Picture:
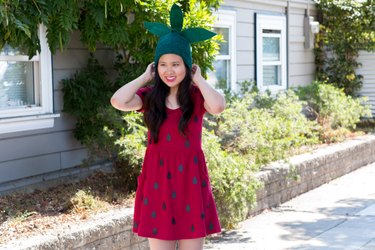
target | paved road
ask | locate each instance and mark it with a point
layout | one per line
(337, 215)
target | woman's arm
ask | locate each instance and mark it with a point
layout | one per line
(214, 102)
(125, 98)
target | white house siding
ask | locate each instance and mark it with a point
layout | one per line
(36, 152)
(301, 60)
(367, 59)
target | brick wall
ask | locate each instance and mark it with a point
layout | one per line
(286, 180)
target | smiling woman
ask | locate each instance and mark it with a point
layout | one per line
(173, 203)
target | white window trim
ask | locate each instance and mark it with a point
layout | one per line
(40, 116)
(227, 19)
(274, 22)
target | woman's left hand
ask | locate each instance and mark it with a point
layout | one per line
(196, 74)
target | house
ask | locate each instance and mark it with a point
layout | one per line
(36, 139)
(266, 41)
(367, 70)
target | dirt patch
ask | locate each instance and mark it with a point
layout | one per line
(24, 215)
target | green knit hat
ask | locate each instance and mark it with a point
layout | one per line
(174, 40)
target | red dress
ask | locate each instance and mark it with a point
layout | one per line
(174, 198)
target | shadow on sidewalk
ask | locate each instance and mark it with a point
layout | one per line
(324, 233)
(228, 237)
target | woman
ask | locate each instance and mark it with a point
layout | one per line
(174, 201)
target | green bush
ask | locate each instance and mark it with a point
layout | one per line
(130, 143)
(254, 130)
(85, 94)
(233, 185)
(108, 133)
(263, 129)
(337, 113)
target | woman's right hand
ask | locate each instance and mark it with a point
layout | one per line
(149, 73)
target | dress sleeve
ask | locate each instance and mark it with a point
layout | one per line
(199, 100)
(142, 92)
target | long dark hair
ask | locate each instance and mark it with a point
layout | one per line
(155, 108)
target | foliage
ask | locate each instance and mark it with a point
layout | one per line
(347, 26)
(243, 87)
(85, 94)
(108, 133)
(114, 23)
(263, 129)
(128, 138)
(337, 113)
(84, 200)
(232, 182)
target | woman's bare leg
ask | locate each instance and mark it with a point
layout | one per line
(156, 244)
(191, 244)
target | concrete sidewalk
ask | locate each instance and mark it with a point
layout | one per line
(337, 215)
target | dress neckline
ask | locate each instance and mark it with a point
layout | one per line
(173, 109)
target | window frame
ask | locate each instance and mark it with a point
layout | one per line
(270, 22)
(41, 115)
(227, 19)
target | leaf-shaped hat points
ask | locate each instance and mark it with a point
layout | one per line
(174, 39)
(158, 29)
(176, 18)
(197, 34)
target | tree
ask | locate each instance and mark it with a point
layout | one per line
(347, 26)
(115, 23)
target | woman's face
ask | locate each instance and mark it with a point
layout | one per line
(171, 69)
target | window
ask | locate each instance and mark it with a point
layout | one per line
(270, 52)
(224, 75)
(26, 100)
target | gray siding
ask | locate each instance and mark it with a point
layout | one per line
(367, 59)
(36, 152)
(301, 60)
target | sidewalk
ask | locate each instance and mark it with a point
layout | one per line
(337, 215)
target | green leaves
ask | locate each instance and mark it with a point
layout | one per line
(25, 28)
(336, 112)
(232, 180)
(347, 27)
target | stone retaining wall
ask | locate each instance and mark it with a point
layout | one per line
(286, 180)
(282, 182)
(107, 231)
